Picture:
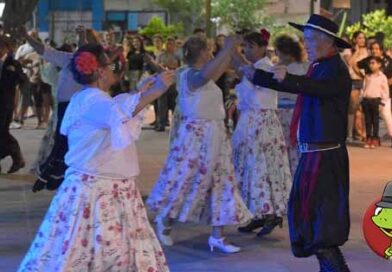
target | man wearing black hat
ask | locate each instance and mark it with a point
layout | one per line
(318, 213)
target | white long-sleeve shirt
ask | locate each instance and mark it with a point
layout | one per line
(101, 134)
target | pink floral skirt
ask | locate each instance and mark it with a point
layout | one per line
(95, 224)
(197, 183)
(261, 162)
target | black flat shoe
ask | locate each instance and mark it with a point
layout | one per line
(254, 224)
(270, 224)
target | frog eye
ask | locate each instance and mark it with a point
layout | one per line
(377, 211)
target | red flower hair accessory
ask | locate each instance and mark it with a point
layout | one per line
(265, 35)
(86, 63)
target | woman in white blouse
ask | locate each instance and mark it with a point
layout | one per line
(197, 182)
(259, 151)
(97, 220)
(292, 54)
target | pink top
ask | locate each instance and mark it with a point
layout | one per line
(376, 86)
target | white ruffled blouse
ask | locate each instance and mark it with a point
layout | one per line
(102, 133)
(252, 97)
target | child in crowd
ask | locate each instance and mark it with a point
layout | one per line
(376, 92)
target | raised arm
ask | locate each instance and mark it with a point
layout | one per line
(58, 58)
(214, 69)
(35, 44)
(162, 83)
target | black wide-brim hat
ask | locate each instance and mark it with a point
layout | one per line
(324, 25)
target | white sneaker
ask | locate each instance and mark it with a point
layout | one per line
(163, 232)
(219, 243)
(15, 125)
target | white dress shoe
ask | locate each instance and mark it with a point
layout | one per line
(163, 232)
(219, 243)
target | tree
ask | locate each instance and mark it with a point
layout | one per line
(189, 12)
(373, 22)
(238, 14)
(17, 12)
(157, 26)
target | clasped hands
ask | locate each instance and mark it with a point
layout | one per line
(247, 70)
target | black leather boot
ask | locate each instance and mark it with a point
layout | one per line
(331, 260)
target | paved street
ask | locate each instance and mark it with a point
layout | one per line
(21, 212)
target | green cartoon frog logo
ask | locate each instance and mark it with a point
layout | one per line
(382, 218)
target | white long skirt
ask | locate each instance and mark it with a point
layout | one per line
(95, 224)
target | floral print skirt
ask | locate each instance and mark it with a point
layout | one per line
(95, 224)
(285, 115)
(197, 182)
(261, 163)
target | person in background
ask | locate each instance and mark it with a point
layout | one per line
(50, 173)
(358, 53)
(158, 45)
(271, 53)
(377, 50)
(135, 61)
(376, 92)
(179, 51)
(41, 93)
(109, 40)
(11, 75)
(169, 61)
(223, 81)
(50, 75)
(200, 32)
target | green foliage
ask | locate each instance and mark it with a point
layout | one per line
(238, 14)
(373, 22)
(157, 26)
(189, 12)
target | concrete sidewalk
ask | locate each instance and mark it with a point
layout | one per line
(21, 212)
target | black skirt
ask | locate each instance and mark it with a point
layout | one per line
(52, 170)
(318, 212)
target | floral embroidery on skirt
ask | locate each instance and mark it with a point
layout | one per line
(261, 163)
(197, 182)
(95, 224)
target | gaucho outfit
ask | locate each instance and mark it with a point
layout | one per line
(318, 212)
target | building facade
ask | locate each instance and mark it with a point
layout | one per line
(59, 18)
(291, 10)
